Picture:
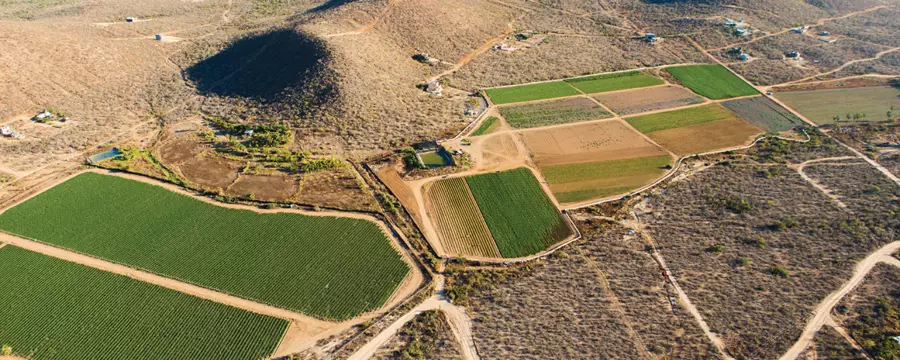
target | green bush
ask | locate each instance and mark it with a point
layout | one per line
(779, 271)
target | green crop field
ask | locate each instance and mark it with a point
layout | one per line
(553, 112)
(54, 309)
(462, 229)
(712, 81)
(329, 267)
(547, 90)
(679, 118)
(612, 82)
(486, 127)
(763, 112)
(821, 106)
(584, 181)
(522, 219)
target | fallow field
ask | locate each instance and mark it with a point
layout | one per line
(553, 113)
(613, 82)
(712, 81)
(764, 113)
(695, 130)
(643, 100)
(328, 267)
(822, 106)
(459, 222)
(54, 309)
(531, 92)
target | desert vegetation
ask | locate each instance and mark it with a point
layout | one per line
(870, 313)
(427, 336)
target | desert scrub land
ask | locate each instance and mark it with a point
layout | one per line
(612, 82)
(756, 248)
(553, 113)
(427, 336)
(695, 130)
(459, 222)
(600, 298)
(833, 106)
(868, 193)
(871, 312)
(711, 81)
(764, 113)
(57, 309)
(829, 344)
(540, 91)
(583, 181)
(328, 267)
(643, 100)
(522, 219)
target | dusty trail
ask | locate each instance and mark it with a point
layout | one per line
(460, 325)
(843, 332)
(799, 168)
(822, 312)
(367, 28)
(472, 54)
(842, 67)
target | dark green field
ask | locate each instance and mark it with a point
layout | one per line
(712, 81)
(522, 219)
(329, 267)
(54, 309)
(612, 82)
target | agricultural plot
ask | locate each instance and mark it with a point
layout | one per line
(695, 130)
(712, 81)
(522, 219)
(53, 309)
(583, 181)
(328, 267)
(514, 94)
(836, 105)
(764, 113)
(553, 113)
(459, 222)
(643, 100)
(613, 82)
(488, 126)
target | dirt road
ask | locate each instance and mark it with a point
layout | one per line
(816, 184)
(460, 325)
(823, 311)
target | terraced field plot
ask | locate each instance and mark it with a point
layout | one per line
(459, 222)
(514, 94)
(764, 113)
(613, 82)
(57, 309)
(329, 267)
(695, 130)
(821, 106)
(553, 113)
(712, 81)
(522, 219)
(643, 100)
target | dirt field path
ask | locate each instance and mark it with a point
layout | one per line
(816, 184)
(822, 312)
(460, 325)
(842, 67)
(843, 332)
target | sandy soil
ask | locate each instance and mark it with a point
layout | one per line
(391, 178)
(264, 187)
(591, 142)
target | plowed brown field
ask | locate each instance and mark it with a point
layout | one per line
(705, 137)
(461, 227)
(608, 140)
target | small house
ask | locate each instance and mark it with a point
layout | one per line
(504, 47)
(736, 50)
(523, 36)
(129, 19)
(800, 30)
(159, 37)
(824, 33)
(744, 57)
(249, 132)
(794, 55)
(44, 115)
(650, 38)
(434, 88)
(741, 32)
(6, 131)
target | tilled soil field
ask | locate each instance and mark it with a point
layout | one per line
(643, 100)
(607, 140)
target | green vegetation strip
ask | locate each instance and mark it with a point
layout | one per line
(54, 309)
(612, 82)
(561, 174)
(712, 81)
(547, 90)
(522, 219)
(552, 113)
(329, 267)
(485, 126)
(679, 118)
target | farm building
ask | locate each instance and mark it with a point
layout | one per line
(800, 30)
(504, 47)
(43, 115)
(130, 19)
(434, 88)
(650, 38)
(159, 37)
(824, 33)
(794, 55)
(744, 57)
(741, 32)
(426, 146)
(6, 131)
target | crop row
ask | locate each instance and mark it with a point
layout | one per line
(553, 112)
(459, 220)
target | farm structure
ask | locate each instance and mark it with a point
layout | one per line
(832, 106)
(327, 267)
(552, 113)
(57, 309)
(712, 81)
(696, 130)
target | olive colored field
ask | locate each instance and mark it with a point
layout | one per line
(584, 181)
(821, 106)
(712, 81)
(459, 222)
(487, 126)
(434, 160)
(764, 113)
(696, 130)
(54, 309)
(328, 267)
(553, 113)
(522, 219)
(514, 94)
(589, 142)
(644, 100)
(613, 82)
(679, 118)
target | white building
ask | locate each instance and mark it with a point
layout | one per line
(434, 88)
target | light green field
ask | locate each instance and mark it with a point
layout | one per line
(679, 118)
(612, 82)
(712, 81)
(514, 94)
(329, 267)
(54, 309)
(821, 106)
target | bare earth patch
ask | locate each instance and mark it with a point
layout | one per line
(607, 140)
